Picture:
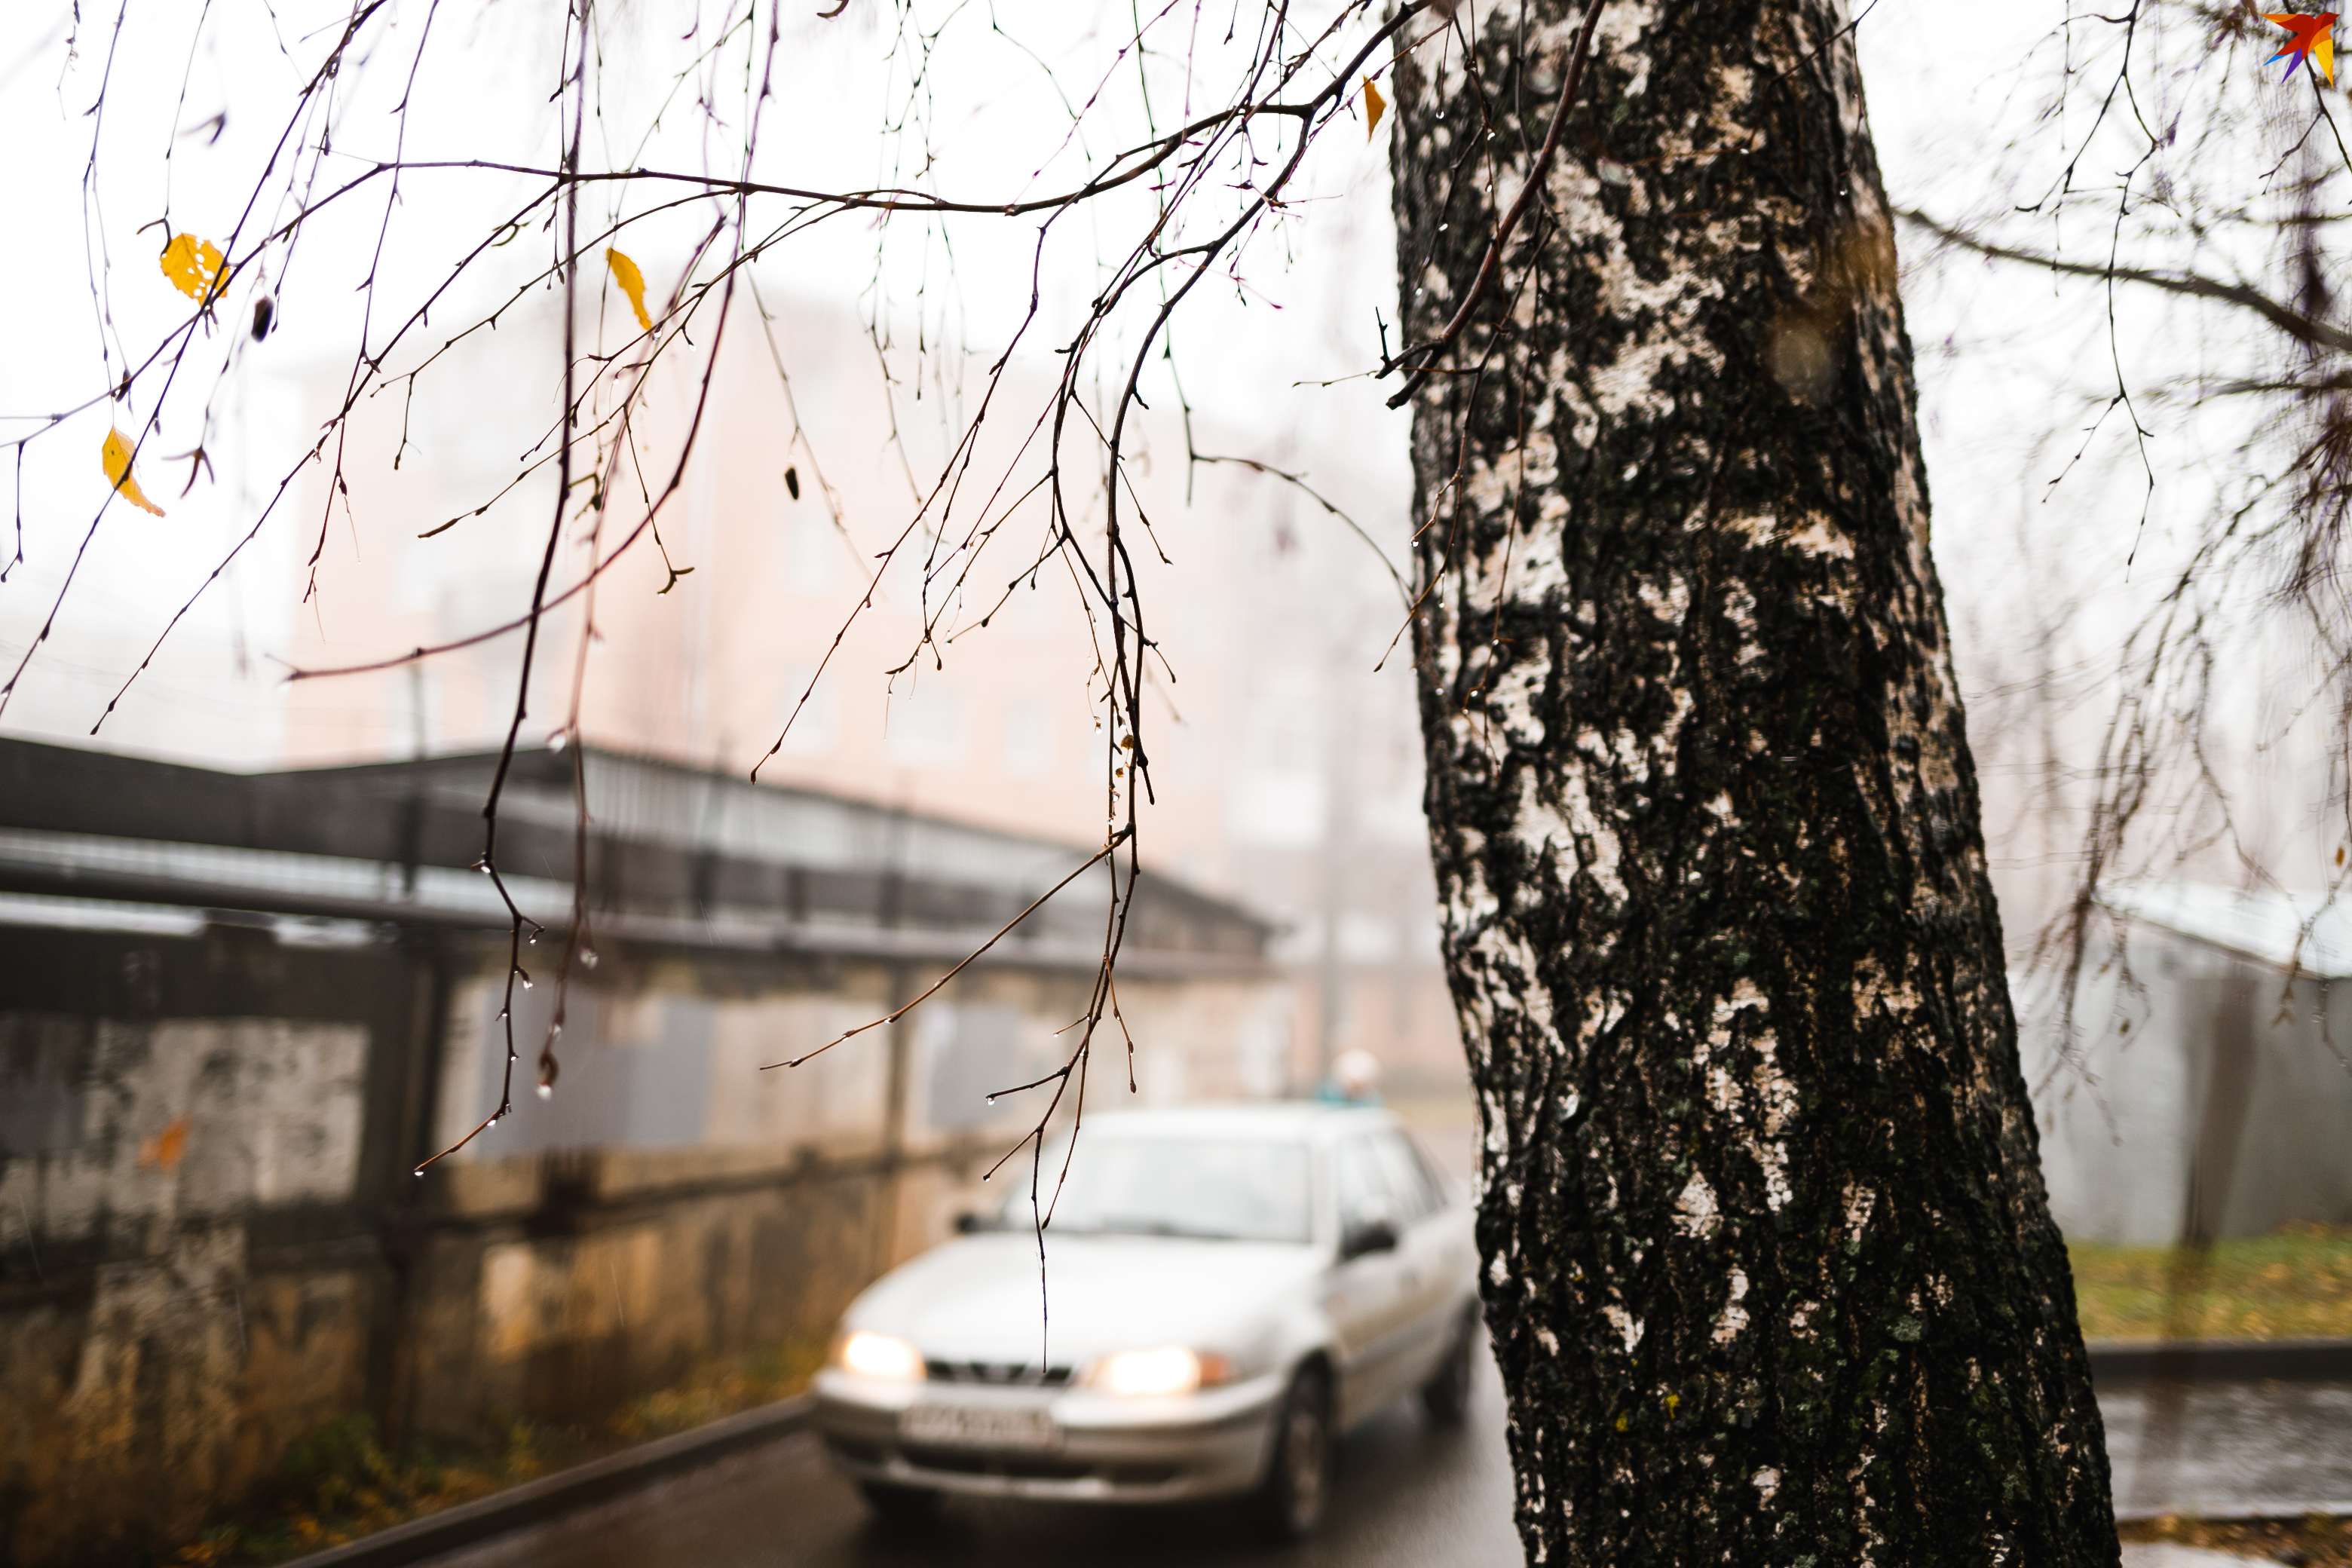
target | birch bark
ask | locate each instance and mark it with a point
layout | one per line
(1769, 1264)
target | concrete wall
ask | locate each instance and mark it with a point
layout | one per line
(2121, 1109)
(212, 1241)
(673, 1198)
(185, 1283)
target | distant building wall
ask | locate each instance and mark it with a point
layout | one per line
(2122, 1103)
(1288, 774)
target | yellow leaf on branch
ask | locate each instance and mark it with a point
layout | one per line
(1374, 107)
(116, 455)
(192, 265)
(632, 284)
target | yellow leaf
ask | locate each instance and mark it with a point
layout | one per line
(116, 455)
(632, 284)
(1374, 107)
(166, 1149)
(192, 265)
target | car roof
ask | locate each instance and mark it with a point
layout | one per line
(1263, 1118)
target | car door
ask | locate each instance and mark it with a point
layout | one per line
(1366, 1299)
(1429, 1265)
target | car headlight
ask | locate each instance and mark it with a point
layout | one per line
(1171, 1369)
(883, 1357)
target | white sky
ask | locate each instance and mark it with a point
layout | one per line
(2006, 363)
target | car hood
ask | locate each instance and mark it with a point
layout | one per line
(979, 1298)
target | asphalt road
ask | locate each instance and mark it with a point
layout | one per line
(2271, 1449)
(1407, 1496)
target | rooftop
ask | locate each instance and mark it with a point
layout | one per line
(2307, 933)
(675, 855)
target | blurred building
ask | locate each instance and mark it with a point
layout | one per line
(238, 1012)
(2204, 1087)
(1285, 753)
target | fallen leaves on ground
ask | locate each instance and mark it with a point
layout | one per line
(340, 1483)
(2315, 1541)
(2294, 1284)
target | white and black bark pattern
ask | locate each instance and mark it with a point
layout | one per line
(1769, 1263)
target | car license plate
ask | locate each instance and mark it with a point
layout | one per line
(978, 1427)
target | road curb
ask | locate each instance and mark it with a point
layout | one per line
(535, 1502)
(2221, 1361)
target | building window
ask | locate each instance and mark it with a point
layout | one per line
(1028, 738)
(926, 726)
(812, 733)
(811, 553)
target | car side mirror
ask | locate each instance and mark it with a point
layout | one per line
(1367, 1233)
(970, 1223)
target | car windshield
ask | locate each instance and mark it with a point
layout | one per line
(1225, 1189)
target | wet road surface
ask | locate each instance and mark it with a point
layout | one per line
(1406, 1495)
(2270, 1449)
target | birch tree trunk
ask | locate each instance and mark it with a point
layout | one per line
(1769, 1263)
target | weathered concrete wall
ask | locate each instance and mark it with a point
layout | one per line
(669, 1202)
(180, 1189)
(673, 1200)
(584, 1302)
(212, 1242)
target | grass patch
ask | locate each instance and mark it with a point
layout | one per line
(2295, 1284)
(340, 1484)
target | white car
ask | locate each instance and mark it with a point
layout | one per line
(1224, 1290)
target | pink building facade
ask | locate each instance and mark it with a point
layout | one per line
(1285, 769)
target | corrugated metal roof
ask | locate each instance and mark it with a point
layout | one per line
(675, 856)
